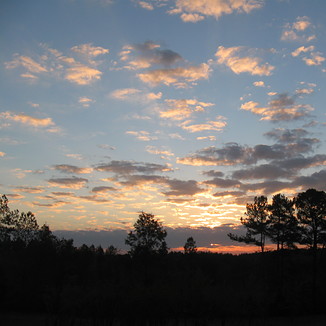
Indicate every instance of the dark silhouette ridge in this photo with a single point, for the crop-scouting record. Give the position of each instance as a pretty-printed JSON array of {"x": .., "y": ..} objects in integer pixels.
[{"x": 50, "y": 281}]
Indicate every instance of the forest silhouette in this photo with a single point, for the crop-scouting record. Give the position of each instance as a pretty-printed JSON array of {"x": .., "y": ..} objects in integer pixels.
[{"x": 47, "y": 277}]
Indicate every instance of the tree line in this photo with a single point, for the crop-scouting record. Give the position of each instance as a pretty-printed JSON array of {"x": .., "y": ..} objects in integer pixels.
[
  {"x": 286, "y": 222},
  {"x": 40, "y": 273}
]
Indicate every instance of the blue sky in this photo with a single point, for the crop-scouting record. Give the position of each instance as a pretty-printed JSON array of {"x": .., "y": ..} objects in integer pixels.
[{"x": 185, "y": 109}]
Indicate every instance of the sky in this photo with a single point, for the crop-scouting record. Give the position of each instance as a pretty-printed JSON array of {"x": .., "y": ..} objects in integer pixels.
[{"x": 186, "y": 109}]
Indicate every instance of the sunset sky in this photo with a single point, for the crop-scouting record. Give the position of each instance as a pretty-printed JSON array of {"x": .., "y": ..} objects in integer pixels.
[{"x": 186, "y": 109}]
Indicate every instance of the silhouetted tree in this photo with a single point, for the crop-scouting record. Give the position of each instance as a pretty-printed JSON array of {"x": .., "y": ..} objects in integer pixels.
[
  {"x": 111, "y": 250},
  {"x": 256, "y": 223},
  {"x": 282, "y": 226},
  {"x": 190, "y": 246},
  {"x": 16, "y": 226},
  {"x": 311, "y": 214},
  {"x": 148, "y": 236}
]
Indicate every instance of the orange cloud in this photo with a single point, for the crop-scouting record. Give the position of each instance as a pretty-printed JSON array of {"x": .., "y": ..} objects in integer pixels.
[
  {"x": 182, "y": 109},
  {"x": 26, "y": 119},
  {"x": 175, "y": 76},
  {"x": 230, "y": 58},
  {"x": 28, "y": 63},
  {"x": 193, "y": 11},
  {"x": 218, "y": 125},
  {"x": 82, "y": 75}
]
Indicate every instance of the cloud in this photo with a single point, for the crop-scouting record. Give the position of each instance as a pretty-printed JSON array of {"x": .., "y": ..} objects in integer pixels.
[
  {"x": 130, "y": 167},
  {"x": 240, "y": 64},
  {"x": 315, "y": 180},
  {"x": 230, "y": 154},
  {"x": 211, "y": 138},
  {"x": 57, "y": 65},
  {"x": 26, "y": 62},
  {"x": 89, "y": 51},
  {"x": 27, "y": 120},
  {"x": 66, "y": 168},
  {"x": 142, "y": 135},
  {"x": 73, "y": 182},
  {"x": 85, "y": 101},
  {"x": 124, "y": 93},
  {"x": 146, "y": 5},
  {"x": 182, "y": 188},
  {"x": 135, "y": 95},
  {"x": 30, "y": 190},
  {"x": 193, "y": 11},
  {"x": 182, "y": 109},
  {"x": 82, "y": 75},
  {"x": 259, "y": 83},
  {"x": 302, "y": 49},
  {"x": 103, "y": 189},
  {"x": 175, "y": 76},
  {"x": 2, "y": 154},
  {"x": 218, "y": 125},
  {"x": 223, "y": 183},
  {"x": 281, "y": 108},
  {"x": 164, "y": 154},
  {"x": 296, "y": 31},
  {"x": 314, "y": 59},
  {"x": 291, "y": 144},
  {"x": 145, "y": 55}
]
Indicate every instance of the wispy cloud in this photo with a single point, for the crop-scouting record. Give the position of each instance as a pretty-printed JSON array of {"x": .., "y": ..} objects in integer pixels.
[
  {"x": 57, "y": 65},
  {"x": 218, "y": 125},
  {"x": 235, "y": 59},
  {"x": 142, "y": 135}
]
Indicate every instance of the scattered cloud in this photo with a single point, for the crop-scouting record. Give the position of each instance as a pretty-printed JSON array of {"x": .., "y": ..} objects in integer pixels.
[
  {"x": 259, "y": 83},
  {"x": 179, "y": 77},
  {"x": 281, "y": 108},
  {"x": 2, "y": 154},
  {"x": 233, "y": 58},
  {"x": 146, "y": 5},
  {"x": 299, "y": 31},
  {"x": 315, "y": 58},
  {"x": 182, "y": 109},
  {"x": 194, "y": 11},
  {"x": 57, "y": 65}
]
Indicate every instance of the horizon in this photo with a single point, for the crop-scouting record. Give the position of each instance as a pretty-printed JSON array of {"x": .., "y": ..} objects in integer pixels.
[{"x": 171, "y": 107}]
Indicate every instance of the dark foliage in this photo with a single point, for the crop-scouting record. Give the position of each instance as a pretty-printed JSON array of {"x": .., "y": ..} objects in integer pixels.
[{"x": 49, "y": 276}]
